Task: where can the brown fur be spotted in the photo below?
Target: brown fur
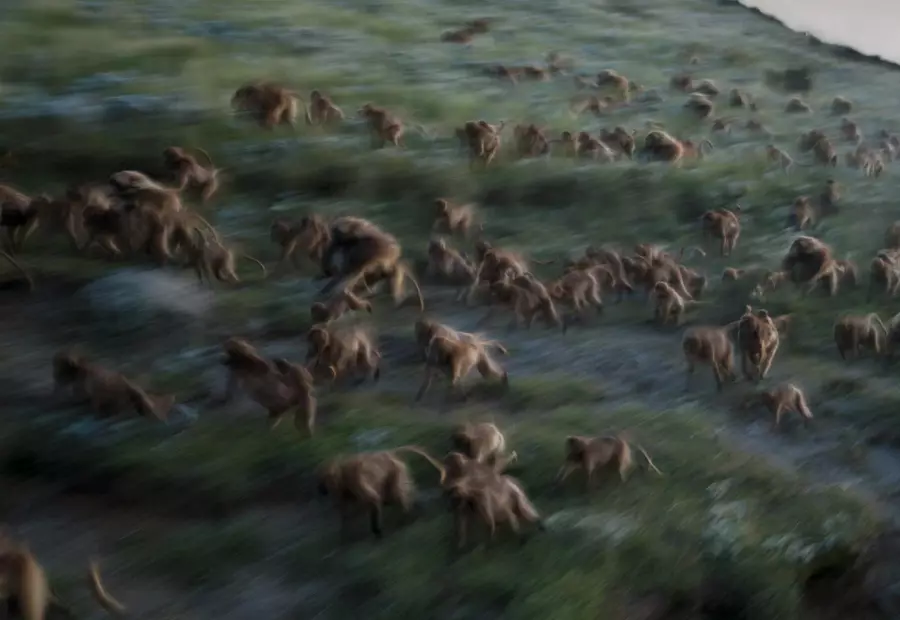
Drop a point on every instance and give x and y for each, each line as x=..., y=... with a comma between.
x=454, y=219
x=339, y=305
x=243, y=361
x=884, y=273
x=188, y=172
x=384, y=126
x=482, y=140
x=107, y=227
x=588, y=454
x=371, y=480
x=212, y=260
x=283, y=388
x=496, y=264
x=682, y=82
x=660, y=146
x=806, y=259
x=829, y=198
x=712, y=346
x=17, y=216
x=783, y=398
x=448, y=265
x=108, y=392
x=850, y=131
x=620, y=140
x=141, y=193
x=530, y=141
x=482, y=442
x=367, y=253
x=802, y=213
x=724, y=225
x=597, y=105
x=669, y=306
x=758, y=341
x=310, y=236
x=322, y=110
x=854, y=332
x=521, y=301
x=268, y=103
x=579, y=289
x=343, y=350
x=456, y=358
x=700, y=105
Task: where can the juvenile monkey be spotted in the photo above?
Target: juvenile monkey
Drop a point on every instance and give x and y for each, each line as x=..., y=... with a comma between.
x=448, y=264
x=482, y=140
x=802, y=213
x=339, y=305
x=783, y=398
x=724, y=225
x=482, y=442
x=712, y=346
x=494, y=499
x=579, y=289
x=853, y=333
x=342, y=350
x=210, y=259
x=322, y=110
x=310, y=236
x=454, y=219
x=669, y=306
x=588, y=454
x=109, y=392
x=188, y=172
x=268, y=103
x=371, y=480
x=456, y=358
x=285, y=387
x=384, y=126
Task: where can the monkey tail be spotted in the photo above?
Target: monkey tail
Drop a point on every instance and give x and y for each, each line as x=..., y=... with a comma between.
x=408, y=275
x=142, y=401
x=421, y=452
x=694, y=248
x=103, y=598
x=649, y=460
x=205, y=154
x=211, y=228
x=9, y=257
x=258, y=262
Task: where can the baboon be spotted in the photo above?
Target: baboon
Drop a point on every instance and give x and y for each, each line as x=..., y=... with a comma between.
x=619, y=83
x=758, y=340
x=343, y=350
x=482, y=442
x=852, y=333
x=481, y=139
x=448, y=264
x=695, y=150
x=141, y=192
x=806, y=259
x=107, y=227
x=187, y=171
x=850, y=130
x=588, y=147
x=211, y=259
x=829, y=198
x=495, y=264
x=802, y=213
x=849, y=274
x=724, y=225
x=590, y=103
x=733, y=274
x=521, y=301
x=269, y=104
x=780, y=158
x=579, y=289
x=17, y=216
x=822, y=148
x=366, y=251
x=25, y=581
x=884, y=273
x=682, y=82
x=339, y=305
x=493, y=499
x=371, y=480
x=739, y=99
x=660, y=146
x=454, y=219
x=588, y=454
x=669, y=306
x=108, y=392
x=700, y=105
x=160, y=233
x=242, y=361
x=322, y=110
x=458, y=466
x=771, y=281
x=709, y=345
x=427, y=329
x=456, y=358
x=620, y=140
x=783, y=398
x=283, y=388
x=796, y=105
x=384, y=126
x=310, y=236
x=530, y=141
x=545, y=304
x=807, y=140
x=620, y=282
x=841, y=106
x=648, y=271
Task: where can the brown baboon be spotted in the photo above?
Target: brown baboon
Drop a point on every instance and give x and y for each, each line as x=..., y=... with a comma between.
x=620, y=282
x=850, y=130
x=456, y=358
x=384, y=126
x=243, y=362
x=339, y=305
x=808, y=139
x=649, y=271
x=700, y=105
x=108, y=392
x=840, y=106
x=780, y=158
x=25, y=581
x=481, y=139
x=322, y=110
x=669, y=306
x=806, y=259
x=619, y=83
x=822, y=149
x=482, y=442
x=709, y=345
x=285, y=387
x=682, y=82
x=210, y=259
x=796, y=105
x=724, y=225
x=579, y=289
x=17, y=216
x=458, y=466
x=739, y=99
x=371, y=480
x=660, y=146
x=590, y=103
x=366, y=252
x=521, y=301
x=187, y=171
x=546, y=307
x=853, y=333
x=783, y=398
x=758, y=340
x=343, y=350
x=493, y=499
x=495, y=264
x=448, y=264
x=802, y=213
x=310, y=236
x=884, y=273
x=588, y=454
x=588, y=147
x=427, y=329
x=454, y=219
x=269, y=104
x=829, y=198
x=695, y=150
x=620, y=140
x=159, y=233
x=107, y=227
x=141, y=192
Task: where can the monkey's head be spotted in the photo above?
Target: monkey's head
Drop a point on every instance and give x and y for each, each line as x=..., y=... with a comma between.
x=455, y=464
x=319, y=313
x=128, y=180
x=318, y=338
x=280, y=230
x=442, y=206
x=296, y=373
x=174, y=155
x=329, y=478
x=461, y=440
x=241, y=356
x=315, y=95
x=67, y=364
x=367, y=110
x=575, y=447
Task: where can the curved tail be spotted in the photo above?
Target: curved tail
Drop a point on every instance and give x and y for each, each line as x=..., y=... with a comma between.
x=211, y=228
x=205, y=154
x=421, y=452
x=258, y=262
x=649, y=460
x=103, y=598
x=408, y=274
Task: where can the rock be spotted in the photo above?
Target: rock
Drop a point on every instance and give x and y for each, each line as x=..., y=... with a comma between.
x=134, y=298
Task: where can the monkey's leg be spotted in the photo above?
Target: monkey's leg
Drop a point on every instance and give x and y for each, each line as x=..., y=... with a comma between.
x=717, y=373
x=565, y=471
x=275, y=418
x=26, y=231
x=779, y=411
x=210, y=187
x=768, y=360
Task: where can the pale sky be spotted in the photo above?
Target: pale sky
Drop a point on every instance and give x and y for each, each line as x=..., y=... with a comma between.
x=868, y=26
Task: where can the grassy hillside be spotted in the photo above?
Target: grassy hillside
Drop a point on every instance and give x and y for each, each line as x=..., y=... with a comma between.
x=228, y=522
